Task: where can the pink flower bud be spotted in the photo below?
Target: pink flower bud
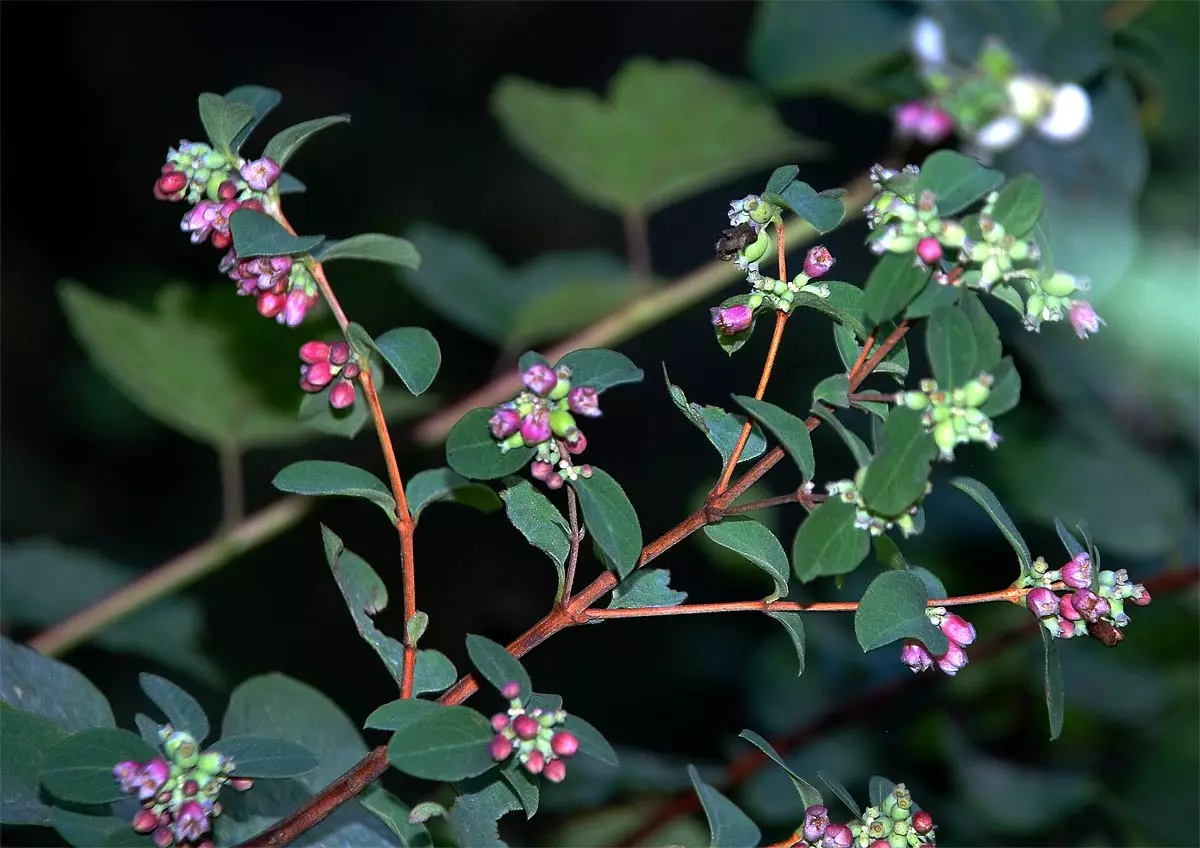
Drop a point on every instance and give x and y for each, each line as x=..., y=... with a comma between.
x=817, y=262
x=922, y=822
x=221, y=239
x=1066, y=608
x=1140, y=596
x=837, y=836
x=152, y=777
x=929, y=250
x=341, y=395
x=1042, y=602
x=539, y=378
x=541, y=470
x=253, y=204
x=271, y=304
x=170, y=186
x=934, y=126
x=915, y=656
x=731, y=320
x=564, y=744
x=499, y=722
x=1090, y=606
x=958, y=629
x=1084, y=318
x=951, y=661
x=191, y=822
x=535, y=429
x=314, y=352
x=535, y=763
x=556, y=771
x=500, y=748
x=511, y=690
x=164, y=838
x=576, y=442
x=240, y=784
x=351, y=370
x=504, y=422
x=584, y=400
x=555, y=482
x=525, y=727
x=295, y=308
x=190, y=788
x=260, y=174
x=227, y=190
x=1078, y=572
x=339, y=353
x=816, y=821
x=908, y=117
x=318, y=374
x=1066, y=629
x=145, y=821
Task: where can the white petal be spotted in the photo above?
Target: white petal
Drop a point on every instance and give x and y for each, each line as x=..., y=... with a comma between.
x=1000, y=134
x=1070, y=116
x=1026, y=96
x=929, y=42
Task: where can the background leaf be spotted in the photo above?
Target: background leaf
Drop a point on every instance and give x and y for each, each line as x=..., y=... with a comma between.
x=983, y=496
x=540, y=522
x=730, y=827
x=601, y=369
x=1019, y=205
x=793, y=623
x=808, y=793
x=394, y=813
x=261, y=102
x=950, y=342
x=51, y=689
x=223, y=119
x=893, y=283
x=957, y=180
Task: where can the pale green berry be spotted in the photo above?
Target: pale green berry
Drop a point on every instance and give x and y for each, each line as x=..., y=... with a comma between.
x=758, y=250
x=989, y=273
x=1034, y=306
x=960, y=424
x=561, y=422
x=974, y=416
x=945, y=437
x=975, y=393
x=780, y=288
x=915, y=400
x=1060, y=285
x=762, y=212
x=755, y=301
x=1020, y=251
x=516, y=440
x=561, y=389
x=941, y=414
x=953, y=234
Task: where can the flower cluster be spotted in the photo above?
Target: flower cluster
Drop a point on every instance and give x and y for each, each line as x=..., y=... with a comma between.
x=218, y=185
x=1084, y=605
x=992, y=104
x=895, y=823
x=178, y=791
x=544, y=417
x=954, y=417
x=849, y=492
x=960, y=634
x=532, y=736
x=328, y=363
x=985, y=257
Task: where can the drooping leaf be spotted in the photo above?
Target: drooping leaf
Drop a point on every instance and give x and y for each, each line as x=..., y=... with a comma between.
x=723, y=429
x=1006, y=388
x=898, y=474
x=497, y=665
x=856, y=445
x=414, y=355
x=446, y=743
x=591, y=742
x=394, y=814
x=892, y=285
x=956, y=180
x=314, y=477
x=729, y=826
x=441, y=484
x=828, y=543
x=841, y=792
x=987, y=334
x=661, y=135
x=258, y=234
x=540, y=522
x=260, y=100
x=822, y=211
x=51, y=689
x=950, y=344
x=262, y=756
x=756, y=543
x=181, y=709
x=1053, y=684
x=893, y=608
x=472, y=452
x=80, y=767
x=610, y=519
x=284, y=145
x=601, y=369
x=983, y=496
x=1019, y=205
x=481, y=802
x=808, y=793
x=372, y=247
x=833, y=390
x=793, y=623
x=791, y=431
x=24, y=740
x=223, y=119
x=647, y=587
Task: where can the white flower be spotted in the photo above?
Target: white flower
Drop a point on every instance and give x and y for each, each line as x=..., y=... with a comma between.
x=1028, y=97
x=1000, y=134
x=1070, y=115
x=928, y=42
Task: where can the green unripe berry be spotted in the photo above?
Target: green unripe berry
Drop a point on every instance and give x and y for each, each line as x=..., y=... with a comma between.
x=182, y=749
x=516, y=440
x=758, y=250
x=1020, y=251
x=755, y=301
x=208, y=764
x=960, y=424
x=1034, y=306
x=941, y=414
x=1060, y=285
x=916, y=400
x=201, y=175
x=1107, y=578
x=953, y=234
x=761, y=212
x=945, y=437
x=990, y=272
x=779, y=288
x=958, y=398
x=561, y=389
x=902, y=243
x=561, y=422
x=975, y=393
x=525, y=408
x=980, y=251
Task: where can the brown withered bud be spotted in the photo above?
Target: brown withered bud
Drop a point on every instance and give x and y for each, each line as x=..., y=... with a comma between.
x=734, y=240
x=1106, y=633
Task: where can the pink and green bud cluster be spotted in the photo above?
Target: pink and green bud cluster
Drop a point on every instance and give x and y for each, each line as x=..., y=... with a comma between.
x=959, y=633
x=330, y=364
x=1052, y=299
x=178, y=790
x=895, y=823
x=543, y=417
x=848, y=491
x=284, y=288
x=1076, y=601
x=535, y=737
x=955, y=417
x=903, y=222
x=766, y=293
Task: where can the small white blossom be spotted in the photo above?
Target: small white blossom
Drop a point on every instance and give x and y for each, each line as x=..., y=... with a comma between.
x=1070, y=114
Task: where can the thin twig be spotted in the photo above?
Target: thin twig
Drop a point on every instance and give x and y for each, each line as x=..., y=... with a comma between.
x=637, y=246
x=573, y=556
x=233, y=500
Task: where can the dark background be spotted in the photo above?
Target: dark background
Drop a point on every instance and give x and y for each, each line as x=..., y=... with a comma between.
x=93, y=94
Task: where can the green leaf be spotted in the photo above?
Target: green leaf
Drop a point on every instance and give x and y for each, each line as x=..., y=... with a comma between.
x=879, y=788
x=261, y=756
x=601, y=369
x=983, y=496
x=372, y=247
x=314, y=477
x=366, y=595
x=472, y=452
x=844, y=305
x=394, y=814
x=1006, y=389
x=540, y=522
x=497, y=665
x=898, y=474
x=794, y=624
x=950, y=345
x=481, y=802
x=808, y=793
x=181, y=709
x=893, y=608
x=223, y=119
x=87, y=826
x=1053, y=682
x=723, y=429
x=729, y=826
x=987, y=334
x=833, y=390
x=433, y=673
x=397, y=714
x=284, y=145
x=933, y=585
x=956, y=180
x=888, y=553
x=441, y=484
x=781, y=178
x=260, y=100
x=290, y=185
x=791, y=431
x=577, y=299
x=823, y=212
x=1019, y=205
x=610, y=519
x=892, y=285
x=591, y=742
x=840, y=791
x=258, y=234
x=828, y=543
x=151, y=358
x=24, y=740
x=857, y=447
x=169, y=630
x=523, y=784
x=933, y=297
x=80, y=768
x=646, y=587
x=1069, y=542
x=660, y=136
x=51, y=689
x=756, y=543
x=447, y=743
x=414, y=355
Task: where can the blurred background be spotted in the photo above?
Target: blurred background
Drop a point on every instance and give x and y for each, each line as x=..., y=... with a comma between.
x=95, y=490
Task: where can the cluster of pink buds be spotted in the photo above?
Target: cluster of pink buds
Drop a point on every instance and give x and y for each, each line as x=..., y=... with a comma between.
x=923, y=120
x=326, y=363
x=737, y=315
x=532, y=737
x=283, y=288
x=960, y=634
x=895, y=823
x=1083, y=607
x=178, y=791
x=543, y=416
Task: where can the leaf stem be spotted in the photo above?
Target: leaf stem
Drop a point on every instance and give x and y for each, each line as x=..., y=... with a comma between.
x=171, y=576
x=637, y=246
x=799, y=496
x=576, y=538
x=233, y=501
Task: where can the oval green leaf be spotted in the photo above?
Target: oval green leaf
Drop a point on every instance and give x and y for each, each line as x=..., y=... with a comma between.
x=892, y=285
x=856, y=445
x=646, y=587
x=372, y=247
x=260, y=100
x=791, y=431
x=897, y=476
x=822, y=211
x=223, y=119
x=497, y=665
x=756, y=543
x=808, y=793
x=80, y=768
x=601, y=369
x=473, y=453
x=1052, y=682
x=833, y=390
x=397, y=714
x=414, y=355
x=951, y=347
x=610, y=519
x=729, y=826
x=315, y=477
x=828, y=543
x=51, y=689
x=258, y=234
x=181, y=709
x=447, y=743
x=284, y=145
x=893, y=608
x=591, y=741
x=1019, y=205
x=433, y=673
x=956, y=180
x=540, y=522
x=442, y=484
x=24, y=740
x=987, y=334
x=1006, y=388
x=261, y=756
